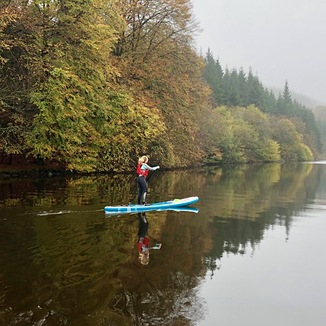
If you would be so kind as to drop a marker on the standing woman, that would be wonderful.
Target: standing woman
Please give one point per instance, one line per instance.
(142, 171)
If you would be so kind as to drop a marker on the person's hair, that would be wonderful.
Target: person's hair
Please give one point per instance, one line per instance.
(143, 159)
(144, 258)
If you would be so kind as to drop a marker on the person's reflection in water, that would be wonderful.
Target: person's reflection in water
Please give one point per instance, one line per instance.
(144, 240)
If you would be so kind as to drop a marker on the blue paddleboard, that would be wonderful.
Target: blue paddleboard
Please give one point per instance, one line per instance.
(171, 204)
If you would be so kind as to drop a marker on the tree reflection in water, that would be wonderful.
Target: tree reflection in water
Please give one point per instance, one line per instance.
(86, 269)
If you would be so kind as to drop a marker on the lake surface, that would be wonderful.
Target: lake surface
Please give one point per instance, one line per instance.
(252, 255)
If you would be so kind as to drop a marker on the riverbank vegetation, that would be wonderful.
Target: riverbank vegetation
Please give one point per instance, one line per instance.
(92, 85)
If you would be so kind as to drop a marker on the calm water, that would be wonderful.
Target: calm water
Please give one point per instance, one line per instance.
(252, 255)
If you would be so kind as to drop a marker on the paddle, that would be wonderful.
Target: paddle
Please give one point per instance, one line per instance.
(157, 244)
(150, 175)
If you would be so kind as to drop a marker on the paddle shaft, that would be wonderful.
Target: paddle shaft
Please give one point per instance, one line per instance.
(153, 238)
(150, 175)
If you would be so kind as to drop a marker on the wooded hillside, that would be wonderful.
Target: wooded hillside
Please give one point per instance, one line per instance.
(95, 84)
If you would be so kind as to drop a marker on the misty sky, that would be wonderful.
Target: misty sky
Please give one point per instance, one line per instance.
(279, 39)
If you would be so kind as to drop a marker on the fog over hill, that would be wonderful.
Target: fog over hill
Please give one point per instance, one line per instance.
(320, 112)
(303, 99)
(281, 40)
(317, 108)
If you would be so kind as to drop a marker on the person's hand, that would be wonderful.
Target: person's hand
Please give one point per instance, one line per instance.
(156, 167)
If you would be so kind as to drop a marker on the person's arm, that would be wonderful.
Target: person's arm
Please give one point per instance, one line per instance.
(147, 167)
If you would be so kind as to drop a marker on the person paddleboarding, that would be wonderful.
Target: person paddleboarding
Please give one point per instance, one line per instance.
(142, 171)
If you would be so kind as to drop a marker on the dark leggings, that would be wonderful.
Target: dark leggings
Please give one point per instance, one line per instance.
(142, 189)
(143, 225)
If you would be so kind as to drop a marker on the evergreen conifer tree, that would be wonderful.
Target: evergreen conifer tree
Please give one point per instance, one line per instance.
(213, 75)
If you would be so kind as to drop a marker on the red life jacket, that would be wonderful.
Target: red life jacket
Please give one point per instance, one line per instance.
(141, 172)
(142, 244)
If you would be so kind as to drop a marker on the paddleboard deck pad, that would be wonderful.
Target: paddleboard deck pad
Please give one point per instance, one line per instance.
(171, 204)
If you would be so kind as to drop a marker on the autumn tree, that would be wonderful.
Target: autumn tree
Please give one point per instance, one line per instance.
(156, 59)
(19, 73)
(240, 135)
(73, 109)
(291, 141)
(76, 112)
